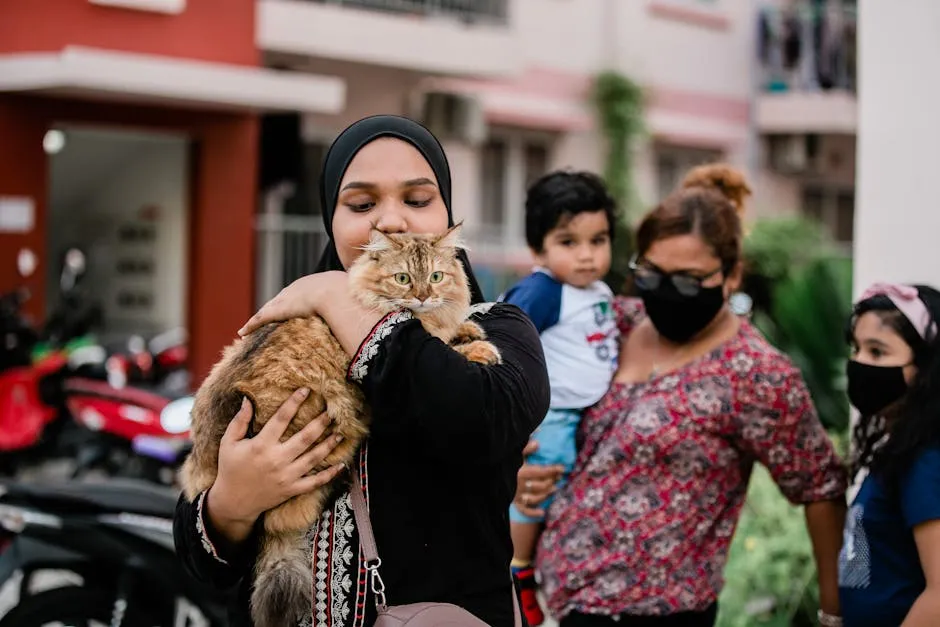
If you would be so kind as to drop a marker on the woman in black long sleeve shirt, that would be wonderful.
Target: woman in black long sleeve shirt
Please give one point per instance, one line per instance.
(440, 465)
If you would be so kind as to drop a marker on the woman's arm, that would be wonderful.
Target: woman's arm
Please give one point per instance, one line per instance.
(926, 610)
(325, 294)
(205, 553)
(825, 521)
(419, 386)
(783, 432)
(459, 410)
(216, 534)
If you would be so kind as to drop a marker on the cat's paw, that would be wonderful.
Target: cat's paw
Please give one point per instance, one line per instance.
(468, 332)
(481, 352)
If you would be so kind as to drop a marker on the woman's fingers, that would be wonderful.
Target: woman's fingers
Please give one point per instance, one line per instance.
(308, 484)
(530, 448)
(272, 311)
(298, 446)
(530, 511)
(237, 429)
(301, 441)
(536, 490)
(273, 429)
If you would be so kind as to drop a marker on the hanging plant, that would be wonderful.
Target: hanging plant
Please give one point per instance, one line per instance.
(619, 105)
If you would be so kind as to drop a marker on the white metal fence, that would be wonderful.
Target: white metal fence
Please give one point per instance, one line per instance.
(289, 246)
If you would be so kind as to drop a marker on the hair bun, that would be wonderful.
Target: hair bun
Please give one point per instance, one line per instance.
(722, 177)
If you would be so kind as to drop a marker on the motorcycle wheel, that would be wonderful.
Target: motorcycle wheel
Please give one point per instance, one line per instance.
(70, 605)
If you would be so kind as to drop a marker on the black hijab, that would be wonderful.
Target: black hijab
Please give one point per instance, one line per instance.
(350, 142)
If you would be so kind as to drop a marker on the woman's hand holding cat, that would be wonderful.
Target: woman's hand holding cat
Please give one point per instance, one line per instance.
(257, 474)
(297, 300)
(327, 295)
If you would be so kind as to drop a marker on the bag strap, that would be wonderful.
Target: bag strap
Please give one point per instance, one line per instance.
(371, 552)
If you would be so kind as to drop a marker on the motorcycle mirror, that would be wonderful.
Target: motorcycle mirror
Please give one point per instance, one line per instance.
(136, 344)
(26, 262)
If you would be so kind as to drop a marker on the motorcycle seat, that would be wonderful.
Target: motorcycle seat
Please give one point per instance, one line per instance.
(87, 497)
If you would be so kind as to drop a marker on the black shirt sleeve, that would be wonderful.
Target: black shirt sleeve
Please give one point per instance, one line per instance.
(205, 553)
(420, 388)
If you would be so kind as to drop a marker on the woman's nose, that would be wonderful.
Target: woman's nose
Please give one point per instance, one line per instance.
(391, 221)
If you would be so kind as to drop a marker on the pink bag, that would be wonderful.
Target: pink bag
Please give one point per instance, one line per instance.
(414, 614)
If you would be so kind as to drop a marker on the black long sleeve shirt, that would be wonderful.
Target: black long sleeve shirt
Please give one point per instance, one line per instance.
(440, 473)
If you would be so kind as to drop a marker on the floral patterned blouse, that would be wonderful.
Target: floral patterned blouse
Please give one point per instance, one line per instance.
(644, 524)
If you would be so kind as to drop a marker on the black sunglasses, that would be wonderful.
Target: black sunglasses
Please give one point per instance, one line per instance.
(649, 277)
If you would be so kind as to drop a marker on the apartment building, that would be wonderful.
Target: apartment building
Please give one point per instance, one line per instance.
(179, 142)
(506, 85)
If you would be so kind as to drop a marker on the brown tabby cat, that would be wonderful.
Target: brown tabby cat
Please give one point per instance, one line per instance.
(402, 271)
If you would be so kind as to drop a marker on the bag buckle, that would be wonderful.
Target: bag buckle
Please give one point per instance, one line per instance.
(378, 586)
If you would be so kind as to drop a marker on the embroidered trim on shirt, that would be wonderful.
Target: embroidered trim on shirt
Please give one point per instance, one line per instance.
(480, 309)
(335, 577)
(359, 366)
(201, 528)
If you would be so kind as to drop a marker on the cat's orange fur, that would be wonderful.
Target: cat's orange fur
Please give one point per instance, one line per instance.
(396, 271)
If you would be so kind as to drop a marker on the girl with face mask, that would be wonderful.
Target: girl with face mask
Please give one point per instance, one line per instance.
(889, 568)
(640, 533)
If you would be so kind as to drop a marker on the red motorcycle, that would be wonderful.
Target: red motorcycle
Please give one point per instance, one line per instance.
(76, 404)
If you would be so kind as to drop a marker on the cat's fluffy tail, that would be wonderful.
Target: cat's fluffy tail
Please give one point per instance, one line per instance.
(283, 588)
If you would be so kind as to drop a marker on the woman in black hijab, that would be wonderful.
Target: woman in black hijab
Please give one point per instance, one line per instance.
(447, 436)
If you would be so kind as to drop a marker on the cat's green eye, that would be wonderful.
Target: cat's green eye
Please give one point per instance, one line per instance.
(402, 278)
(436, 277)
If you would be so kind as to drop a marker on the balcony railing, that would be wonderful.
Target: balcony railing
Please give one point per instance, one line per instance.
(468, 11)
(808, 47)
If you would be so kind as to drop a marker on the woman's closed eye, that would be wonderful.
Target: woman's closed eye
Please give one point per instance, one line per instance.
(419, 201)
(359, 203)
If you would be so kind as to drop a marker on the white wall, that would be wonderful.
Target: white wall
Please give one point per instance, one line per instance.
(152, 171)
(897, 221)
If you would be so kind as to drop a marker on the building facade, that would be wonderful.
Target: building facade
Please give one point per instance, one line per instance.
(768, 86)
(179, 142)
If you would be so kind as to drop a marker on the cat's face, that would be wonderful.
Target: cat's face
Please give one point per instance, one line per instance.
(410, 271)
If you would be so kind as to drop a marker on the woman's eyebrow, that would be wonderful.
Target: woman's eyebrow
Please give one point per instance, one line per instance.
(357, 185)
(418, 182)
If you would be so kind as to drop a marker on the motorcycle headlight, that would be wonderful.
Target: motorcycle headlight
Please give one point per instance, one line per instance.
(175, 416)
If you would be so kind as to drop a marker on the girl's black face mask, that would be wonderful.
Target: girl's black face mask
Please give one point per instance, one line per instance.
(873, 388)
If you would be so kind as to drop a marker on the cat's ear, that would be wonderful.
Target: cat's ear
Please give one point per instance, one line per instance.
(451, 238)
(379, 242)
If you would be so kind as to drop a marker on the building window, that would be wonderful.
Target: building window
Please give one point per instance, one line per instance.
(673, 162)
(510, 162)
(834, 208)
(493, 210)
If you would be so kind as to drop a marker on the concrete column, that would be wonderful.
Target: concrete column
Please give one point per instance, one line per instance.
(897, 214)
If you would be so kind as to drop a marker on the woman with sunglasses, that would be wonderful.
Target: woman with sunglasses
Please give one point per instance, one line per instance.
(641, 532)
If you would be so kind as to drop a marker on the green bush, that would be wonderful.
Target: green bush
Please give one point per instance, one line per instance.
(770, 578)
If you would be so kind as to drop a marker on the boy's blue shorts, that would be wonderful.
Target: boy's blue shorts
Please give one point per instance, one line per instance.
(556, 438)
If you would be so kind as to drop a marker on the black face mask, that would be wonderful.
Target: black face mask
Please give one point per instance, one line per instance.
(872, 388)
(677, 317)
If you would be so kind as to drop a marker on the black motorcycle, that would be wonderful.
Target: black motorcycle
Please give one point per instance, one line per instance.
(117, 537)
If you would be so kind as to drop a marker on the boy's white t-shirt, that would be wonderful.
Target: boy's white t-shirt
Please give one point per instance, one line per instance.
(579, 335)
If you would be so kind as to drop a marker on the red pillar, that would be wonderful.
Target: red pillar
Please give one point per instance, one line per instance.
(23, 172)
(221, 291)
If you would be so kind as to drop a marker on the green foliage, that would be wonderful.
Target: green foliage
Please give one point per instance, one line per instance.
(619, 105)
(775, 246)
(802, 290)
(770, 576)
